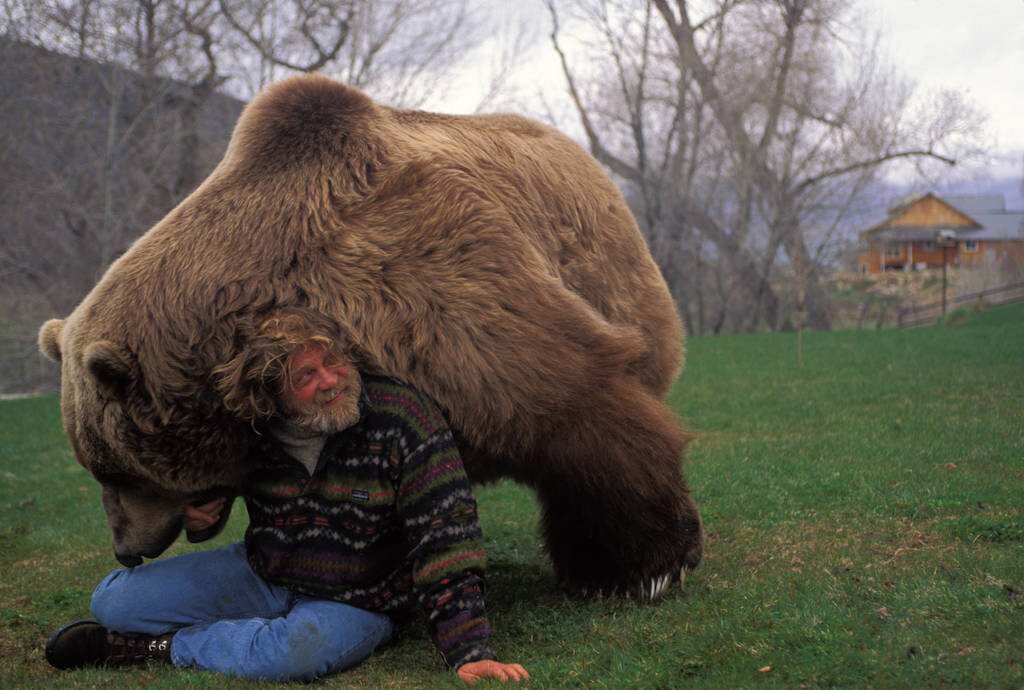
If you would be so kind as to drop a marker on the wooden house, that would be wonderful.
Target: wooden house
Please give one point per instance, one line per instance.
(927, 231)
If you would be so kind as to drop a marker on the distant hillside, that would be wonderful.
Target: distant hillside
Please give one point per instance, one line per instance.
(1009, 187)
(91, 155)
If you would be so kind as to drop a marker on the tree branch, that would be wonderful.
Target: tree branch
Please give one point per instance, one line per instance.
(323, 56)
(811, 181)
(792, 13)
(598, 149)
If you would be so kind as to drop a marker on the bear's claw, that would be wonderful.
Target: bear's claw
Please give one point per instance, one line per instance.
(653, 589)
(646, 591)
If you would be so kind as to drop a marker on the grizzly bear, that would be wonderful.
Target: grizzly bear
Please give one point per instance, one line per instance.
(487, 260)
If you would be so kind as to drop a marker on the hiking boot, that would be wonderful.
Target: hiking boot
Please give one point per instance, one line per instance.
(87, 643)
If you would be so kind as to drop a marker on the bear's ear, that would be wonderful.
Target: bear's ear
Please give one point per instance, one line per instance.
(108, 364)
(49, 339)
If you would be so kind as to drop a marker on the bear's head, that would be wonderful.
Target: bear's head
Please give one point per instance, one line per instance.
(155, 448)
(150, 462)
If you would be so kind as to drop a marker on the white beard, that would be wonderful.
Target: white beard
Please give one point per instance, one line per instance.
(317, 419)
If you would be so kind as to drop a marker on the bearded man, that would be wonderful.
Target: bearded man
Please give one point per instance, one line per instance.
(359, 510)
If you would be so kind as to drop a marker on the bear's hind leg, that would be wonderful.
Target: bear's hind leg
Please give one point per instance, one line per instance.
(617, 514)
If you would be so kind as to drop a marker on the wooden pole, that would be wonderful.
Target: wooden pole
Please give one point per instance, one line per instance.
(800, 303)
(944, 248)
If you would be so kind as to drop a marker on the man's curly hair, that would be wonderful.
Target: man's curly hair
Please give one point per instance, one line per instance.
(250, 383)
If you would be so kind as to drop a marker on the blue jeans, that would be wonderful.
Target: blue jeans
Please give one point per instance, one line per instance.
(225, 618)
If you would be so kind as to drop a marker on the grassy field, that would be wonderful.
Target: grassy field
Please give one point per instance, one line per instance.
(864, 516)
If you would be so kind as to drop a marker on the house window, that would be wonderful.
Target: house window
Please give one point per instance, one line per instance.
(970, 245)
(928, 245)
(892, 251)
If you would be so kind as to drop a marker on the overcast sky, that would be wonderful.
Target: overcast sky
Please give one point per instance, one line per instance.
(976, 47)
(973, 46)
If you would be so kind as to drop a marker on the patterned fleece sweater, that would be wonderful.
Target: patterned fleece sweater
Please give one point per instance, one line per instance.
(386, 521)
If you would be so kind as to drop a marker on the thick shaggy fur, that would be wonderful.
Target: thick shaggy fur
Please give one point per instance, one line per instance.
(487, 260)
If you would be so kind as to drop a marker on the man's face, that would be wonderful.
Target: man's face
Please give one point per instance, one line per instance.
(321, 391)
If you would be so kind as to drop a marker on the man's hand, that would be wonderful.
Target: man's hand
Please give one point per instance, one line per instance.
(198, 518)
(475, 670)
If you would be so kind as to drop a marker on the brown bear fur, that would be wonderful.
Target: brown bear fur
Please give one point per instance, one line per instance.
(487, 260)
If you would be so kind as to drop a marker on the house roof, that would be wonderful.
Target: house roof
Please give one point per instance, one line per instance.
(967, 217)
(977, 203)
(990, 211)
(1007, 225)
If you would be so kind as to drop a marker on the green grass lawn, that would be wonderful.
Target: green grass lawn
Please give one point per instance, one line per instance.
(864, 516)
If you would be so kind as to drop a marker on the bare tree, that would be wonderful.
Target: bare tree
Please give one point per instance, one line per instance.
(319, 30)
(748, 134)
(121, 116)
(402, 49)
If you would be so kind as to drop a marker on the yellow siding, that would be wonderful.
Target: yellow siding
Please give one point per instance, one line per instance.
(930, 210)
